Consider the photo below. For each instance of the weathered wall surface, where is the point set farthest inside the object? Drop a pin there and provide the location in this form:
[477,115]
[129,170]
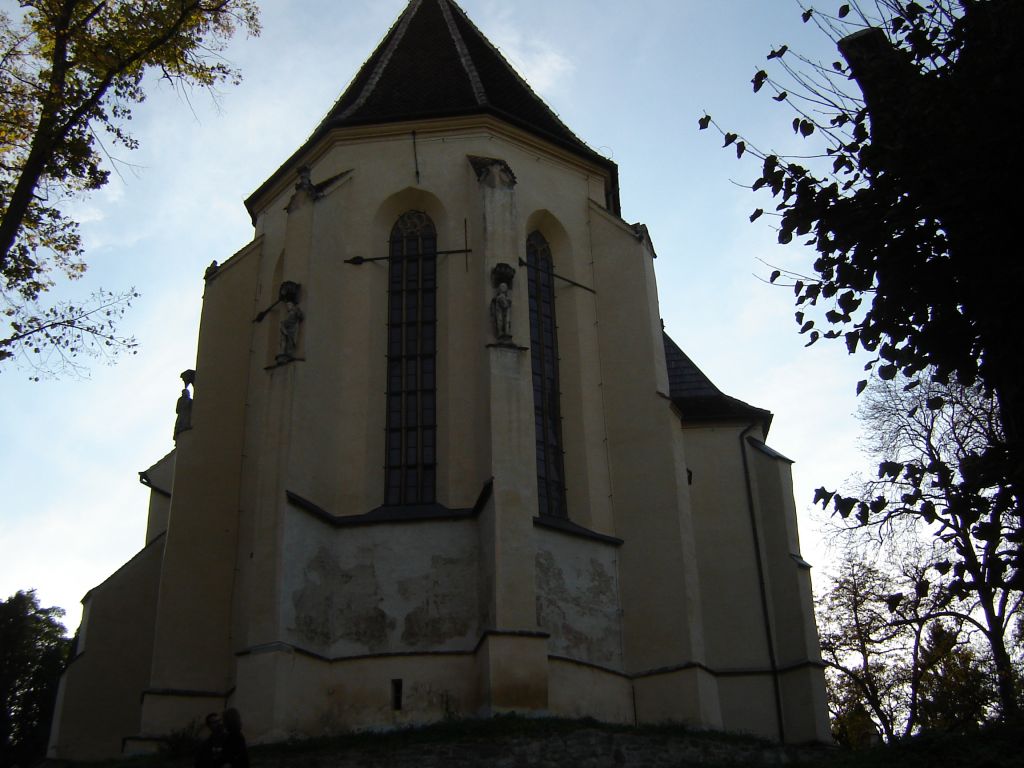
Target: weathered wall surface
[344,334]
[577,691]
[380,589]
[578,598]
[311,697]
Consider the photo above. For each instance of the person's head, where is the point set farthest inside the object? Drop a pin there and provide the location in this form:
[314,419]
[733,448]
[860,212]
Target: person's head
[232,720]
[213,722]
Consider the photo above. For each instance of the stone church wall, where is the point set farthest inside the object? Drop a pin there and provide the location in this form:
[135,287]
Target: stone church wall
[399,587]
[578,598]
[97,703]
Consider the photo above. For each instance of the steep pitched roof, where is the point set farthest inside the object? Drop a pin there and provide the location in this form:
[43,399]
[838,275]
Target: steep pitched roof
[697,398]
[434,62]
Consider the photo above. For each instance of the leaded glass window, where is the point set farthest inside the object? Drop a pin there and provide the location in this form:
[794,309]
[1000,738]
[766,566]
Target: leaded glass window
[544,358]
[411,443]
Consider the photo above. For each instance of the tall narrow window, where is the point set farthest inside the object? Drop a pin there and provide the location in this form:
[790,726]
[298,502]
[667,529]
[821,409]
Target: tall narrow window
[544,352]
[410,467]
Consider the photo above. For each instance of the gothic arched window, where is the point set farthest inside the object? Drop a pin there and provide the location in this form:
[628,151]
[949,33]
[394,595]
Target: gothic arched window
[411,443]
[544,357]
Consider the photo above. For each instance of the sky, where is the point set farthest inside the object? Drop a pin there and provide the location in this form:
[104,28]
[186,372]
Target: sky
[631,79]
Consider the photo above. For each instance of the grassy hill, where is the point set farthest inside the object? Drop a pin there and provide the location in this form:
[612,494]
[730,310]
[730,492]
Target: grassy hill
[512,742]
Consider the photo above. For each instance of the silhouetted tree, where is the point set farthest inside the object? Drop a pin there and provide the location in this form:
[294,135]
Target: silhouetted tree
[852,725]
[33,652]
[864,652]
[927,439]
[873,623]
[956,690]
[910,206]
[67,69]
[897,663]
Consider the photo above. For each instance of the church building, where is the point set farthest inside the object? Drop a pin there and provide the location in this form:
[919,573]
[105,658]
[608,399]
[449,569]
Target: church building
[438,458]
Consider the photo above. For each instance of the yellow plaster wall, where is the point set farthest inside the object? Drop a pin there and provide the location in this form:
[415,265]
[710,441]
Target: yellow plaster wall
[579,691]
[194,610]
[649,495]
[98,704]
[688,695]
[803,682]
[315,426]
[160,478]
[289,694]
[733,621]
[748,705]
[790,583]
[338,404]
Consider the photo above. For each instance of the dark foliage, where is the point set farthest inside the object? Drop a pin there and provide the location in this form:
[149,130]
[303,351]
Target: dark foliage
[33,652]
[924,437]
[70,69]
[956,692]
[910,208]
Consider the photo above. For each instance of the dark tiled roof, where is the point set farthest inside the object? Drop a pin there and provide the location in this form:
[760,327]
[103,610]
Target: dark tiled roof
[433,63]
[697,398]
[416,70]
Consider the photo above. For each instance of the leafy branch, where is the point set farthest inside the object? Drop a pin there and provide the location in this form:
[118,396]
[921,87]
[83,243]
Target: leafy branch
[50,342]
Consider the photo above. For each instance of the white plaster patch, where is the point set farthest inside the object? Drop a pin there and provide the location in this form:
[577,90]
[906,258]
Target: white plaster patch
[578,598]
[380,589]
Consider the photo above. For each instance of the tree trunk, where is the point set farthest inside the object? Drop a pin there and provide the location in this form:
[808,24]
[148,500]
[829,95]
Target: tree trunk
[43,140]
[1005,682]
[21,198]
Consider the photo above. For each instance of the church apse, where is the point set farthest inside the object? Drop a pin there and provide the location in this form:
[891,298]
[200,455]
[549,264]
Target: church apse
[474,476]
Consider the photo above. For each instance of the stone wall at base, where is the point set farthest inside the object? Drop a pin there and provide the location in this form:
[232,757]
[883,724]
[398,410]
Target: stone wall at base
[554,746]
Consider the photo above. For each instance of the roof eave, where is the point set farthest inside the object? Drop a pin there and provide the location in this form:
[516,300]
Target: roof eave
[299,157]
[725,410]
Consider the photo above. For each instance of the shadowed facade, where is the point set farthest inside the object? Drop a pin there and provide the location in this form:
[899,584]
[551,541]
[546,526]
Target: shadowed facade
[441,458]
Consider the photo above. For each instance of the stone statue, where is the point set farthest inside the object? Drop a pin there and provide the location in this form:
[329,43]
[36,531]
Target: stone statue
[501,312]
[290,331]
[183,408]
[305,183]
[492,172]
[501,305]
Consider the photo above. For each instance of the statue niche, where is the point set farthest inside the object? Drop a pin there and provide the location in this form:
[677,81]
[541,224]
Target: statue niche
[501,304]
[290,321]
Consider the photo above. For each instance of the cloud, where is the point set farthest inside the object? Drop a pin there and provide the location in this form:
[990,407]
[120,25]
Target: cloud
[65,546]
[535,58]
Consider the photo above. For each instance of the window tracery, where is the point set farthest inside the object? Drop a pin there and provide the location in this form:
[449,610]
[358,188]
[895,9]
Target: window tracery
[411,423]
[544,363]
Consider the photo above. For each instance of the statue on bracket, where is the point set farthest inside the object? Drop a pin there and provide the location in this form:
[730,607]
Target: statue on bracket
[293,317]
[493,172]
[501,305]
[183,408]
[305,183]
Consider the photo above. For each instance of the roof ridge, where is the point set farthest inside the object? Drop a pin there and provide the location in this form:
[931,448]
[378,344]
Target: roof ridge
[699,399]
[400,28]
[434,62]
[687,361]
[460,45]
[517,76]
